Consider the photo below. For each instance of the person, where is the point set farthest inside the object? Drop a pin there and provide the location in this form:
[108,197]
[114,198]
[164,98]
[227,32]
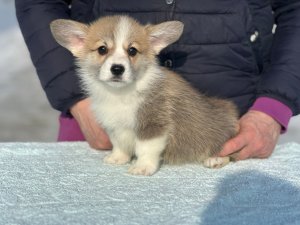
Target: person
[227,50]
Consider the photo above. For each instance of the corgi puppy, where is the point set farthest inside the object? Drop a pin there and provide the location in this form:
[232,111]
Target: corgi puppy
[149,112]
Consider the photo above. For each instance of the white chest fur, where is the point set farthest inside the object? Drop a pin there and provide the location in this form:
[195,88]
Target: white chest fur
[115,109]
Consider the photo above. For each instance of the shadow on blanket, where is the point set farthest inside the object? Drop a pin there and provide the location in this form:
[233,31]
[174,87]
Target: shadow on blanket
[251,197]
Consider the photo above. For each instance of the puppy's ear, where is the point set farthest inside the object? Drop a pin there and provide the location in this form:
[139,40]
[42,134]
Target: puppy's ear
[164,34]
[69,34]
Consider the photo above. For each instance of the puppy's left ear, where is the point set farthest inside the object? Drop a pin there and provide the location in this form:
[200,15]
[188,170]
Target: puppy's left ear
[164,34]
[70,34]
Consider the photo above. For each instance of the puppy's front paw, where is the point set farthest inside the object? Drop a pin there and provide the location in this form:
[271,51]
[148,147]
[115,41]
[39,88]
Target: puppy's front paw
[117,158]
[146,169]
[216,162]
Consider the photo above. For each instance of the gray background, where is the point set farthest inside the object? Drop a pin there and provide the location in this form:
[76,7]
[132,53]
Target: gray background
[25,114]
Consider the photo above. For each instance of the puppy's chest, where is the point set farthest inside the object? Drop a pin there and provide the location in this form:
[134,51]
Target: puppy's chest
[117,111]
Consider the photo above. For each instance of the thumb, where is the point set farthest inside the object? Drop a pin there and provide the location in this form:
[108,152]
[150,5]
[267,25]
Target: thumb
[233,145]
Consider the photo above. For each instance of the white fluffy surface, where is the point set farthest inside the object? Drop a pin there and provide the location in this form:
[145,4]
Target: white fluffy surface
[67,183]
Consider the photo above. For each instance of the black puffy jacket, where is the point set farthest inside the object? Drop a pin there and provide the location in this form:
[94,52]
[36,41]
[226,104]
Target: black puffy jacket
[227,48]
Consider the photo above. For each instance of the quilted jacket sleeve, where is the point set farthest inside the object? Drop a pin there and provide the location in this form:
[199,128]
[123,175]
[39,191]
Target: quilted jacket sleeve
[54,64]
[281,81]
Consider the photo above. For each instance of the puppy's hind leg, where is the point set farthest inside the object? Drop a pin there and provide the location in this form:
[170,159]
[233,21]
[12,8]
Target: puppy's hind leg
[216,162]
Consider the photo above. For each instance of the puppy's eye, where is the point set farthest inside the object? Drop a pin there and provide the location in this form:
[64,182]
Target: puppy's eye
[132,51]
[103,50]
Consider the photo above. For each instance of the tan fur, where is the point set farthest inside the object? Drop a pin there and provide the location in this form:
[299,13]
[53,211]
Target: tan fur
[197,125]
[103,31]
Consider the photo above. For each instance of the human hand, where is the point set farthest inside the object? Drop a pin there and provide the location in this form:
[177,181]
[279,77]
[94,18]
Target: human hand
[257,137]
[92,131]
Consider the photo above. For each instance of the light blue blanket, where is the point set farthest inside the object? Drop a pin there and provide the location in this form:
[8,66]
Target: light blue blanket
[67,183]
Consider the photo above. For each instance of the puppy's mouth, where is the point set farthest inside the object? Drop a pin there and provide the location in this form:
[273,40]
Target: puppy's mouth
[116,79]
[116,82]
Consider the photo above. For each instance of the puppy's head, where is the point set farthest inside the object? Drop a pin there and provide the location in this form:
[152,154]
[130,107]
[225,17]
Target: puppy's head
[115,50]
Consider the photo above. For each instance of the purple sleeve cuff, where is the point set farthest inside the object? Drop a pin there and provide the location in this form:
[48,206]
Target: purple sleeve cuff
[277,110]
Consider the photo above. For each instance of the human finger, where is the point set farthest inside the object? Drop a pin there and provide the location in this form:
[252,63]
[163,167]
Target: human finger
[233,145]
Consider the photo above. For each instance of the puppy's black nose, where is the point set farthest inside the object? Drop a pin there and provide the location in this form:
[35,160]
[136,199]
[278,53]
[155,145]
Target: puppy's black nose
[117,69]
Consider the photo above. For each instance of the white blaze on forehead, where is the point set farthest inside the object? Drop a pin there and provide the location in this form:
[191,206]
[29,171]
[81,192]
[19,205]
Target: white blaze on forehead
[122,32]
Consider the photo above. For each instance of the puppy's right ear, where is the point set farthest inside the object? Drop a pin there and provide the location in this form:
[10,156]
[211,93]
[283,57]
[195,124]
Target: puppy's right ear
[164,34]
[69,34]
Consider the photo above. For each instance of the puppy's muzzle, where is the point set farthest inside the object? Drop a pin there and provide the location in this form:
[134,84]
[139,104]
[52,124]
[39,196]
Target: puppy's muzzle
[117,70]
